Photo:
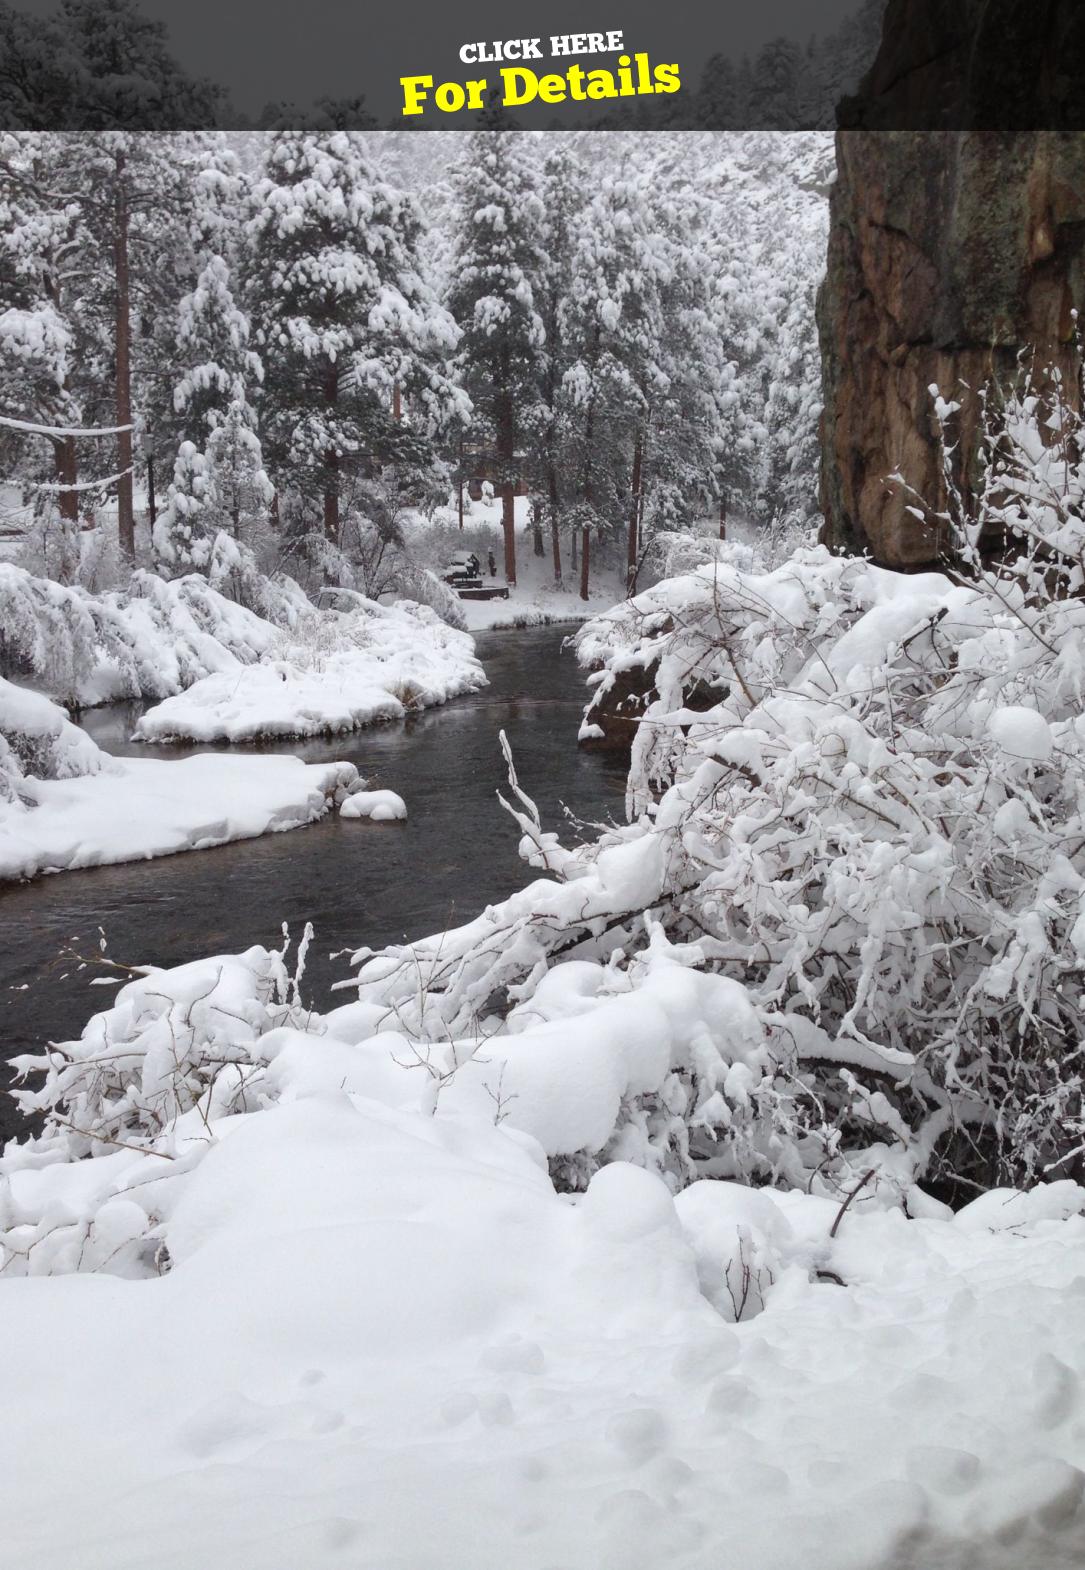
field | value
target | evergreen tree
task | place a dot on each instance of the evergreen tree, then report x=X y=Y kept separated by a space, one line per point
x=563 y=198
x=613 y=321
x=350 y=333
x=719 y=104
x=497 y=273
x=39 y=340
x=183 y=532
x=241 y=491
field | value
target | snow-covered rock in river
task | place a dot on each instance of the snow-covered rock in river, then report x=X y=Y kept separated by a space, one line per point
x=382 y=806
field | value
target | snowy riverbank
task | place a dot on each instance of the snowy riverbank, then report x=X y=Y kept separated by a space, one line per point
x=373 y=1332
x=377 y=663
x=146 y=808
x=64 y=803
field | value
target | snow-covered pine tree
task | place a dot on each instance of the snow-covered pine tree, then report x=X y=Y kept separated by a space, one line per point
x=563 y=200
x=128 y=197
x=344 y=320
x=183 y=532
x=778 y=87
x=38 y=337
x=241 y=492
x=720 y=100
x=613 y=321
x=219 y=367
x=498 y=271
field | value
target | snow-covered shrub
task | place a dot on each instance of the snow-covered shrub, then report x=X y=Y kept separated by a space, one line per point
x=176 y=1052
x=234 y=573
x=37 y=738
x=423 y=587
x=860 y=795
x=170 y=1042
x=181 y=532
x=348 y=663
x=150 y=640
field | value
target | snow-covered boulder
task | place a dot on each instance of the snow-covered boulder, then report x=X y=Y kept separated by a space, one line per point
x=382 y=806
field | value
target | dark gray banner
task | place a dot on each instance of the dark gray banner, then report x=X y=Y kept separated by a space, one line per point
x=782 y=65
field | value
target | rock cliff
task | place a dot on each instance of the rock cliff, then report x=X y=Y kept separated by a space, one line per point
x=951 y=252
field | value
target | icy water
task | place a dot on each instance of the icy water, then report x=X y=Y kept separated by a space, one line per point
x=358 y=882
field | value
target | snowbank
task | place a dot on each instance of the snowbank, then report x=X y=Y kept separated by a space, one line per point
x=346 y=666
x=369 y=1331
x=65 y=804
x=374 y=663
x=144 y=808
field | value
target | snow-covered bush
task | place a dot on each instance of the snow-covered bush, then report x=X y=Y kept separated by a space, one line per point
x=149 y=1076
x=348 y=663
x=423 y=587
x=37 y=738
x=859 y=794
x=150 y=640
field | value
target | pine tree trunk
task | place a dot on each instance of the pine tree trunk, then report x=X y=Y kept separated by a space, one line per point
x=508 y=528
x=397 y=403
x=537 y=529
x=152 y=507
x=126 y=521
x=589 y=498
x=331 y=513
x=573 y=556
x=555 y=538
x=331 y=483
x=67 y=472
x=633 y=540
x=459 y=486
x=506 y=452
x=723 y=517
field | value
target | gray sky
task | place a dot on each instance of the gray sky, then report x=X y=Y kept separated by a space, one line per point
x=301 y=49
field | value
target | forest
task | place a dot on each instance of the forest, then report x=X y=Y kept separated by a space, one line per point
x=295 y=391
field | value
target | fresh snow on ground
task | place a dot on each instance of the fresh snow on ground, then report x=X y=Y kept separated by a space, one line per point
x=147 y=808
x=369 y=1332
x=238 y=675
x=66 y=804
x=376 y=663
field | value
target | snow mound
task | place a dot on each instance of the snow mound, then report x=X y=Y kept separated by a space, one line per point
x=145 y=642
x=37 y=738
x=1022 y=733
x=383 y=806
x=66 y=804
x=143 y=808
x=373 y=663
x=453 y=1342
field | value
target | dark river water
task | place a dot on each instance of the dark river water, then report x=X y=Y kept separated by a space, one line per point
x=358 y=882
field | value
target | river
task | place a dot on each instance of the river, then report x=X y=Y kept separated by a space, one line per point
x=358 y=882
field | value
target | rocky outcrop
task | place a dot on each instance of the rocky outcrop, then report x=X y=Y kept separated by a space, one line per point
x=952 y=251
x=950 y=254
